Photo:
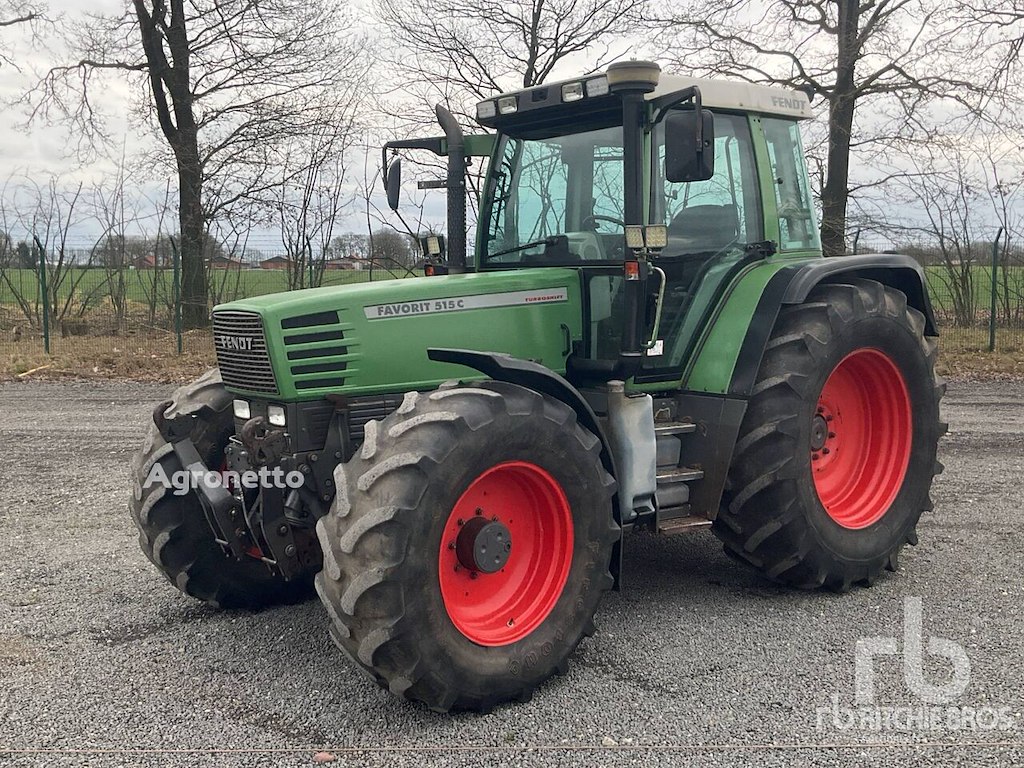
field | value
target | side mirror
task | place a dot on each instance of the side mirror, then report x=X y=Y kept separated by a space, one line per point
x=393 y=183
x=685 y=158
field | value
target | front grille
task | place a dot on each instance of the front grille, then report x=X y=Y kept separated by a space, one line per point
x=364 y=409
x=242 y=351
x=322 y=329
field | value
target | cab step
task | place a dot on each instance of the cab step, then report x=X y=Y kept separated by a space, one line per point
x=688 y=524
x=679 y=475
x=674 y=428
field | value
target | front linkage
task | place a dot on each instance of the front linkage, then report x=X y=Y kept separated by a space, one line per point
x=256 y=510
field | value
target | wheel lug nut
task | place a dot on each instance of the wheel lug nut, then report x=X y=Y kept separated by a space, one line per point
x=451 y=545
x=479 y=511
x=461 y=521
x=815 y=457
x=826 y=451
x=472 y=574
x=831 y=435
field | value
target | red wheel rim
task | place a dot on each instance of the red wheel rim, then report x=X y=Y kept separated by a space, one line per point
x=502 y=607
x=860 y=438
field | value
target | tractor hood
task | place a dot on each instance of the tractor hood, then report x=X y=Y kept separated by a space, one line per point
x=370 y=338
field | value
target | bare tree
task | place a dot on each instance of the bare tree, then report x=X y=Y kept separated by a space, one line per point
x=225 y=81
x=460 y=51
x=996 y=39
x=950 y=197
x=393 y=250
x=48 y=215
x=311 y=199
x=13 y=12
x=17 y=14
x=878 y=64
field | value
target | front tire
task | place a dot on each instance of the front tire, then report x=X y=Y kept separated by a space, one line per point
x=837 y=451
x=450 y=476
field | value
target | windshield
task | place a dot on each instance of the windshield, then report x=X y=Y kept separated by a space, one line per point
x=557 y=200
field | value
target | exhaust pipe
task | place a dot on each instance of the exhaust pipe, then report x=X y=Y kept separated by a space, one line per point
x=456 y=184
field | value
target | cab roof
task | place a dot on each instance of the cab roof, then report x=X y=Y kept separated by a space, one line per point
x=738 y=95
x=542 y=110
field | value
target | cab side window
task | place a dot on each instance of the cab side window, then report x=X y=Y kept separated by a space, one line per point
x=706 y=217
x=797 y=228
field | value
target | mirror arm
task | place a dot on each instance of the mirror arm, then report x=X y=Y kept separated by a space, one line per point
x=435 y=144
x=663 y=104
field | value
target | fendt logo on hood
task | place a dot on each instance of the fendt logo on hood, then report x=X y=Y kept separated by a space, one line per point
x=234 y=342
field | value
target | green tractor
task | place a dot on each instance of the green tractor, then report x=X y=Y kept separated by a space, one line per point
x=646 y=338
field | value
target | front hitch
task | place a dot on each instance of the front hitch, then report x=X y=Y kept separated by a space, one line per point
x=244 y=531
x=216 y=501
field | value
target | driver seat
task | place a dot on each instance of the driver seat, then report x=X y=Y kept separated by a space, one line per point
x=702 y=228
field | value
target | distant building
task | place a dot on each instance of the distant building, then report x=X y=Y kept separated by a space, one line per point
x=352 y=262
x=276 y=262
x=225 y=262
x=150 y=261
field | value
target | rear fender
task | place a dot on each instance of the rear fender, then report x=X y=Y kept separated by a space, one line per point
x=793 y=284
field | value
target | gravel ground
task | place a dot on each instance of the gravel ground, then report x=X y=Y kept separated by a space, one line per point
x=697 y=660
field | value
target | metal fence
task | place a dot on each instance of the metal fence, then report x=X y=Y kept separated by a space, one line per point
x=976 y=290
x=125 y=321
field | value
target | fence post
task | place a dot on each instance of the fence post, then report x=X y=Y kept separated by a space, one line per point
x=176 y=261
x=45 y=294
x=995 y=290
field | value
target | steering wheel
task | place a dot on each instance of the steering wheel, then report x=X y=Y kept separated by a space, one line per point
x=590 y=222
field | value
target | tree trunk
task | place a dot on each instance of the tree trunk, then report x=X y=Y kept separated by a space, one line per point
x=195 y=312
x=842 y=103
x=834 y=194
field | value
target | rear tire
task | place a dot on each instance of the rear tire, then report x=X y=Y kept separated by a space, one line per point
x=401 y=605
x=837 y=450
x=173 y=532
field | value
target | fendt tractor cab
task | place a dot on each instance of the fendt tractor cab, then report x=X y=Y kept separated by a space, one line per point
x=645 y=338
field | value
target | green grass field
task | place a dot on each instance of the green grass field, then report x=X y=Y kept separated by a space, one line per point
x=940 y=289
x=230 y=284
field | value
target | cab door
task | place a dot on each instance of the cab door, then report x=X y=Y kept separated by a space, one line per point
x=709 y=225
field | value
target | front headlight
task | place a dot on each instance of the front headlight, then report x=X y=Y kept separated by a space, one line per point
x=241 y=409
x=276 y=415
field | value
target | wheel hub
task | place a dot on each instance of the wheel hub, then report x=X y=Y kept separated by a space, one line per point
x=819 y=432
x=483 y=545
